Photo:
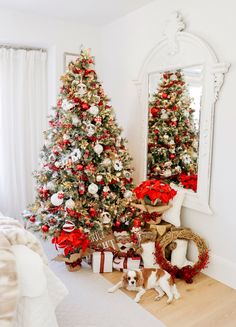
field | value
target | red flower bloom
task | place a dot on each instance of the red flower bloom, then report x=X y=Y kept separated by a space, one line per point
x=155 y=190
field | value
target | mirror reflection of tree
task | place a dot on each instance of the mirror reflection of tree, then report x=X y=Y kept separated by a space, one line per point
x=172 y=132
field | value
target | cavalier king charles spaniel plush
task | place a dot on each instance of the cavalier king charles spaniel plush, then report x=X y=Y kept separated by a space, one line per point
x=145 y=279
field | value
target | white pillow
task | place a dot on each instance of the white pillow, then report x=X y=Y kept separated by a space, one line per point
x=172 y=215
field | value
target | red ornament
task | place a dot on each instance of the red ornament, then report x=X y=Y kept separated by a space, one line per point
x=156 y=131
x=117 y=223
x=32 y=219
x=45 y=228
x=172 y=156
x=92 y=212
x=137 y=222
x=76 y=100
x=53 y=221
x=154 y=111
x=84 y=106
x=164 y=95
x=79 y=167
x=174 y=108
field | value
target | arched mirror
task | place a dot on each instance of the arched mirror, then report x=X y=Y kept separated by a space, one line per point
x=177 y=86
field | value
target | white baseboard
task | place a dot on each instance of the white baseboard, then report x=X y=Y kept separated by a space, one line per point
x=222 y=270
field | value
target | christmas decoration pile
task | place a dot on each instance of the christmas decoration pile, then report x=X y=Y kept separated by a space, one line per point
x=84 y=181
x=172 y=134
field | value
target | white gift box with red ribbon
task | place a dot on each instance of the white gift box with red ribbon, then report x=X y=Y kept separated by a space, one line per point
x=102 y=261
x=126 y=263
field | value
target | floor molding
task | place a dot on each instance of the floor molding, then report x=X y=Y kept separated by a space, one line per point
x=222 y=270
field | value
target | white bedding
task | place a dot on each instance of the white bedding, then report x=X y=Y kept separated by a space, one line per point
x=40 y=290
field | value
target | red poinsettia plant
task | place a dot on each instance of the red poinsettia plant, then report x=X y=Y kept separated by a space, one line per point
x=72 y=242
x=156 y=191
x=188 y=181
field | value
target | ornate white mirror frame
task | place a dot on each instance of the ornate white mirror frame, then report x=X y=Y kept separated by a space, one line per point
x=179 y=49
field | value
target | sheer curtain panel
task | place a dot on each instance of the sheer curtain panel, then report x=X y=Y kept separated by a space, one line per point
x=23 y=111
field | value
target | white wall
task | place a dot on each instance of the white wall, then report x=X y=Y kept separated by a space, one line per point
x=57 y=36
x=125 y=44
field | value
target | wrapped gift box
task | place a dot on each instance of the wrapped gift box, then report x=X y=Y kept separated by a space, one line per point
x=102 y=261
x=126 y=263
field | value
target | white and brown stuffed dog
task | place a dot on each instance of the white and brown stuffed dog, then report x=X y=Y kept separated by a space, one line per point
x=142 y=280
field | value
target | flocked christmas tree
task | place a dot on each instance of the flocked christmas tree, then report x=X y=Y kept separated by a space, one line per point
x=84 y=180
x=172 y=134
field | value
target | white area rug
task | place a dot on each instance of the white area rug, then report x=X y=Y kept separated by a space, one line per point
x=90 y=305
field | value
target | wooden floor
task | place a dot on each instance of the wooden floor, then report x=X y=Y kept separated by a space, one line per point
x=205 y=303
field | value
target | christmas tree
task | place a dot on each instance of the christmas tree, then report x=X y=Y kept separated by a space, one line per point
x=84 y=180
x=172 y=134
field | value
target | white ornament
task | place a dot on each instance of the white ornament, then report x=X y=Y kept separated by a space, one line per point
x=75 y=155
x=106 y=189
x=164 y=116
x=186 y=113
x=55 y=200
x=186 y=159
x=50 y=186
x=70 y=204
x=75 y=120
x=173 y=77
x=98 y=148
x=106 y=162
x=66 y=105
x=195 y=144
x=128 y=194
x=52 y=157
x=106 y=217
x=81 y=89
x=117 y=164
x=93 y=188
x=93 y=110
x=66 y=137
x=57 y=164
x=127 y=174
x=167 y=173
x=166 y=136
x=68 y=226
x=99 y=178
x=91 y=129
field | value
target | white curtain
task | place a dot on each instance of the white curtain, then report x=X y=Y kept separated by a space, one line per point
x=23 y=111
